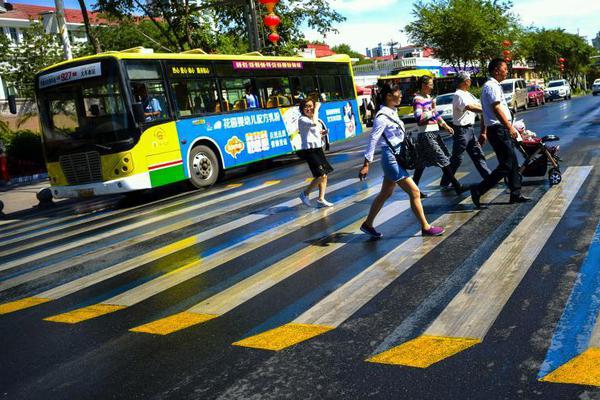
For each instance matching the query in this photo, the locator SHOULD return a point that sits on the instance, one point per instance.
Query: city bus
(123, 121)
(407, 80)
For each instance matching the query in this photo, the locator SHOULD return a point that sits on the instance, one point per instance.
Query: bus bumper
(123, 185)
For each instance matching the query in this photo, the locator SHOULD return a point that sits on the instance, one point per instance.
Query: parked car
(515, 92)
(558, 89)
(535, 95)
(596, 87)
(443, 104)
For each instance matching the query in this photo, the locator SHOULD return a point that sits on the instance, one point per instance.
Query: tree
(463, 32)
(213, 25)
(346, 49)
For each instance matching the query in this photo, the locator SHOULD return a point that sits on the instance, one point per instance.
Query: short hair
(384, 89)
(495, 64)
(303, 104)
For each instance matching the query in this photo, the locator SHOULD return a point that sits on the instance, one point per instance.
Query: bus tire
(204, 167)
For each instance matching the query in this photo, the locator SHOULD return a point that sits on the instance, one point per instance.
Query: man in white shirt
(500, 133)
(464, 109)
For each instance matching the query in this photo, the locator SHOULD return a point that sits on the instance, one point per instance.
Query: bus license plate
(85, 192)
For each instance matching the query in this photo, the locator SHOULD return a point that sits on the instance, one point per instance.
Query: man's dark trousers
(508, 164)
(464, 139)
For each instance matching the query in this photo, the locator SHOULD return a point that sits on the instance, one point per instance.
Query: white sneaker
(305, 199)
(324, 203)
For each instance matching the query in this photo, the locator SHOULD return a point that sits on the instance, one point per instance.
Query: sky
(370, 22)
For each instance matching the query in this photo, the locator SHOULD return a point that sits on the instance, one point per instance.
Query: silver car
(596, 87)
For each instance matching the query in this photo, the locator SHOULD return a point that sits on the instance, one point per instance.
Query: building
(379, 51)
(596, 41)
(316, 51)
(15, 18)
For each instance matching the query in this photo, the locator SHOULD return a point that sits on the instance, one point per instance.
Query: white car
(596, 87)
(443, 104)
(558, 89)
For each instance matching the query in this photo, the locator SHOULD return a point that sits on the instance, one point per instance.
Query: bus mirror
(12, 104)
(138, 113)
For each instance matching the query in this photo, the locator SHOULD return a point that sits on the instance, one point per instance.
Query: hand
(449, 129)
(482, 138)
(513, 132)
(364, 171)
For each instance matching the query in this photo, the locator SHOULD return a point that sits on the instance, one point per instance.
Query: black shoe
(460, 189)
(423, 195)
(369, 230)
(476, 197)
(519, 199)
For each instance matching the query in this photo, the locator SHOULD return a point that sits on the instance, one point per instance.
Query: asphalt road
(144, 297)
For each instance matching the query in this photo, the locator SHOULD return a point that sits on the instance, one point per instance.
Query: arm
(376, 132)
(502, 118)
(482, 132)
(421, 115)
(476, 108)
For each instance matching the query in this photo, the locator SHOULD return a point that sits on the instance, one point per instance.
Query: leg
(417, 175)
(459, 144)
(322, 187)
(313, 184)
(496, 137)
(476, 154)
(449, 175)
(410, 187)
(387, 189)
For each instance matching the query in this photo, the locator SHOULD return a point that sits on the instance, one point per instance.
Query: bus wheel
(204, 167)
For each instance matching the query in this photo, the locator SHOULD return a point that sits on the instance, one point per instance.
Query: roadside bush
(26, 145)
(476, 91)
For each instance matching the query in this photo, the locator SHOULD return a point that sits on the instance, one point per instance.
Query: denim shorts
(391, 170)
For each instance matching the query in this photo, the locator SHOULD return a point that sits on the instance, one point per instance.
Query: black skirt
(315, 158)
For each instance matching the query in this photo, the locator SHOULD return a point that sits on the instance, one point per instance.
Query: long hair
(303, 104)
(385, 88)
(424, 80)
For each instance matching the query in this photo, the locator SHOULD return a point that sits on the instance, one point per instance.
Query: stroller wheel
(554, 176)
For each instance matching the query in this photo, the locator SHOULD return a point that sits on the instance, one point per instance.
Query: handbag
(406, 156)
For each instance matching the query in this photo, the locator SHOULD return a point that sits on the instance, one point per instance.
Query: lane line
(35, 256)
(469, 316)
(113, 232)
(574, 354)
(202, 265)
(258, 283)
(160, 252)
(342, 303)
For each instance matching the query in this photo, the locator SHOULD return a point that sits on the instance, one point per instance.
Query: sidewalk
(21, 197)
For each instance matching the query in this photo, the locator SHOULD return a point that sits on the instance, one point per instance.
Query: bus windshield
(84, 114)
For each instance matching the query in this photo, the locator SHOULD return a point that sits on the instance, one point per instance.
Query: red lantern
(272, 21)
(506, 43)
(506, 53)
(507, 59)
(269, 4)
(561, 60)
(273, 37)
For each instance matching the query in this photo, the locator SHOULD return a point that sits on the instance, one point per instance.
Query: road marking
(173, 323)
(284, 337)
(86, 240)
(256, 284)
(85, 313)
(202, 265)
(574, 353)
(17, 305)
(471, 313)
(161, 252)
(341, 304)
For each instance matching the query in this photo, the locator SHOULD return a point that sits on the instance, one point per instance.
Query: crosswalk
(243, 219)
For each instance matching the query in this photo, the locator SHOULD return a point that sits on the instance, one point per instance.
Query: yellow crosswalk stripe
(22, 304)
(470, 315)
(341, 304)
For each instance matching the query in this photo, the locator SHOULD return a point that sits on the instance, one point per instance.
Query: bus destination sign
(189, 70)
(70, 74)
(268, 65)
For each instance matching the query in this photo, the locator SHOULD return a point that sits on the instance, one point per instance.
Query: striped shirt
(427, 118)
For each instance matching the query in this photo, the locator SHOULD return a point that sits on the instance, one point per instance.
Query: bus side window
(195, 97)
(348, 87)
(152, 96)
(330, 88)
(237, 95)
(275, 92)
(304, 87)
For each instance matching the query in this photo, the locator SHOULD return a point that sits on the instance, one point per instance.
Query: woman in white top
(311, 135)
(388, 133)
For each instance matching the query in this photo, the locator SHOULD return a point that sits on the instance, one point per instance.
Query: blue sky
(372, 21)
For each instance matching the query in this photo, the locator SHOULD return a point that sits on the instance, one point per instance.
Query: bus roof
(141, 53)
(408, 74)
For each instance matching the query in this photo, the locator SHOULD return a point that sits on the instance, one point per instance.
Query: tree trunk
(88, 29)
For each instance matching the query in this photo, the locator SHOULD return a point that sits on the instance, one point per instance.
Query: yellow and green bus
(407, 80)
(122, 121)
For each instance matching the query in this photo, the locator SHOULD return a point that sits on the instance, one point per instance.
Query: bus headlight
(123, 167)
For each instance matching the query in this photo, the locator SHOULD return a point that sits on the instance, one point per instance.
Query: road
(242, 292)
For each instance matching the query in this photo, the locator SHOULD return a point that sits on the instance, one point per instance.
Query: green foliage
(25, 145)
(346, 49)
(463, 31)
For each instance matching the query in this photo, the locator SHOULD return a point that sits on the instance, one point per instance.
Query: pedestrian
(431, 150)
(464, 110)
(388, 132)
(311, 133)
(500, 132)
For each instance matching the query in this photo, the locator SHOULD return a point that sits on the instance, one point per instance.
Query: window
(102, 100)
(238, 94)
(274, 92)
(64, 115)
(148, 89)
(348, 87)
(330, 88)
(14, 35)
(194, 97)
(304, 87)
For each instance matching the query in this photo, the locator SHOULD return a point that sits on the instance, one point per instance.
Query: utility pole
(62, 29)
(392, 43)
(252, 25)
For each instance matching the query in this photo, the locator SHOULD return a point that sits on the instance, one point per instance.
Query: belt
(465, 126)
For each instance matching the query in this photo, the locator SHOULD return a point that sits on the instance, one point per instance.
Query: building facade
(596, 41)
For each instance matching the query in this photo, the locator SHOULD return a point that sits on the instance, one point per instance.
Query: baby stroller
(539, 155)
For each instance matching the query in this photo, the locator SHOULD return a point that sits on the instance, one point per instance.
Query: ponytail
(385, 88)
